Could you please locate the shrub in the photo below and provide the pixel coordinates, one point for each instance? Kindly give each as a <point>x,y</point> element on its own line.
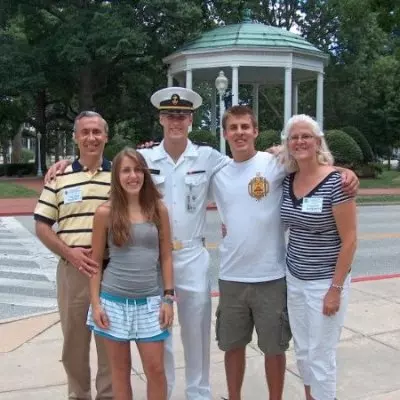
<point>267,139</point>
<point>27,155</point>
<point>17,169</point>
<point>202,136</point>
<point>114,146</point>
<point>362,141</point>
<point>370,170</point>
<point>344,148</point>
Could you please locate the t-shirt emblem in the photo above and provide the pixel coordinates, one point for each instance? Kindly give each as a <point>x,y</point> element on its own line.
<point>258,187</point>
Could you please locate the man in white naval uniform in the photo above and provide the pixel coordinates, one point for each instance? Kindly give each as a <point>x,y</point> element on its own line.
<point>182,171</point>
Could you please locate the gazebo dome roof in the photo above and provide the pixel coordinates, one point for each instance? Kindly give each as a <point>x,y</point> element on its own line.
<point>249,35</point>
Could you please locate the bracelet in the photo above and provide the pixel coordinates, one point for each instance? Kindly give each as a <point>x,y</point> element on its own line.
<point>168,300</point>
<point>169,292</point>
<point>338,287</point>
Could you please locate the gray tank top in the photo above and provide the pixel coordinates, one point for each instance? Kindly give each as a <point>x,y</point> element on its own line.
<point>133,269</point>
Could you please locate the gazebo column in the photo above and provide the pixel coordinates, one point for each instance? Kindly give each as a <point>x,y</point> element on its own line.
<point>320,99</point>
<point>189,79</point>
<point>256,88</point>
<point>170,78</point>
<point>235,85</point>
<point>214,111</point>
<point>288,94</point>
<point>295,98</point>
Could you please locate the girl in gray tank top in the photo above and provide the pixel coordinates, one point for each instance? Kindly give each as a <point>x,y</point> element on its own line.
<point>125,297</point>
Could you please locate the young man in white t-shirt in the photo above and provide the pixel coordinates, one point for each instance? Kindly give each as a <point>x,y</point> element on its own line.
<point>252,273</point>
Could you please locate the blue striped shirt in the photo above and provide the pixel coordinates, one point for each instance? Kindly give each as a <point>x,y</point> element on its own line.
<point>314,241</point>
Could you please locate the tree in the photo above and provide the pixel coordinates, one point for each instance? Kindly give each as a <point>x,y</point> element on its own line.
<point>383,103</point>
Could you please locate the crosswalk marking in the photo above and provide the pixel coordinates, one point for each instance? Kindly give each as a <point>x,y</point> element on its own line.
<point>32,284</point>
<point>31,301</point>
<point>27,271</point>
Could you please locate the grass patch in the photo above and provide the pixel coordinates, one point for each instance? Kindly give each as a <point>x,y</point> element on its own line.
<point>385,198</point>
<point>388,179</point>
<point>10,190</point>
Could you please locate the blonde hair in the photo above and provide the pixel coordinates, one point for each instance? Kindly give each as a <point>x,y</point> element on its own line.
<point>324,156</point>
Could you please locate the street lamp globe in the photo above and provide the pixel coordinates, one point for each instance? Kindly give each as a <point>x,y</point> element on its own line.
<point>221,84</point>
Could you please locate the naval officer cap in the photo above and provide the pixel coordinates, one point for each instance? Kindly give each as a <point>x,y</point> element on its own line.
<point>176,100</point>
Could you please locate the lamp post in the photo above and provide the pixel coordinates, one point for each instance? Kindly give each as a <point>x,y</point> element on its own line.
<point>39,160</point>
<point>221,84</point>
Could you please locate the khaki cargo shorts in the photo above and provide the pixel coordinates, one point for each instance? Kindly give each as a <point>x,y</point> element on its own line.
<point>243,306</point>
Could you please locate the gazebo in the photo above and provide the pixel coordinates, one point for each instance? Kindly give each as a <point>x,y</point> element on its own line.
<point>253,54</point>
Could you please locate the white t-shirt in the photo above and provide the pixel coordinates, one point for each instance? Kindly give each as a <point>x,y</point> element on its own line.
<point>248,196</point>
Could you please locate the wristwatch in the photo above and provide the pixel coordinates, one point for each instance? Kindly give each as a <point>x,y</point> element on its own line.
<point>338,287</point>
<point>168,300</point>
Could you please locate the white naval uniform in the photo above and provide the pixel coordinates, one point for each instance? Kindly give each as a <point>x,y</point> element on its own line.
<point>189,176</point>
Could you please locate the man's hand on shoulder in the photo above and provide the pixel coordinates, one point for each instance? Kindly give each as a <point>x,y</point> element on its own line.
<point>275,150</point>
<point>56,169</point>
<point>350,181</point>
<point>147,145</point>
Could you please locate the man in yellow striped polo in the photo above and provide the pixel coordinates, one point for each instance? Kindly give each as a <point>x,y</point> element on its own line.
<point>70,200</point>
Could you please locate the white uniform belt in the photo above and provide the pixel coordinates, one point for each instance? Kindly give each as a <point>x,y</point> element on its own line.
<point>186,244</point>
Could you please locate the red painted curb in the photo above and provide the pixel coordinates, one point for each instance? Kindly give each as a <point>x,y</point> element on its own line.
<point>23,213</point>
<point>374,278</point>
<point>16,213</point>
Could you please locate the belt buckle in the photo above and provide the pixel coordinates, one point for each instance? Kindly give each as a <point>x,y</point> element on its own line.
<point>177,245</point>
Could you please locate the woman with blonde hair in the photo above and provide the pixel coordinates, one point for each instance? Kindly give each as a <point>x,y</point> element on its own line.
<point>321,219</point>
<point>125,299</point>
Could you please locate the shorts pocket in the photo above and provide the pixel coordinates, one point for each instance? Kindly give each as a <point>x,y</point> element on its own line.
<point>217,324</point>
<point>286,333</point>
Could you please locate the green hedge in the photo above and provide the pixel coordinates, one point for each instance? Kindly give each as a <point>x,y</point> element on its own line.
<point>344,148</point>
<point>19,169</point>
<point>114,146</point>
<point>370,170</point>
<point>202,136</point>
<point>362,141</point>
<point>267,139</point>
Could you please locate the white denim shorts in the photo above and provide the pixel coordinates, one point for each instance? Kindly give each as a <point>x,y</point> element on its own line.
<point>130,319</point>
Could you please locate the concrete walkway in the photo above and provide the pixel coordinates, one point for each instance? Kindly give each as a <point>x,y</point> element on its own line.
<point>368,355</point>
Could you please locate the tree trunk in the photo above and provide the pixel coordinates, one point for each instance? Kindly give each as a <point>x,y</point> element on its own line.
<point>40,118</point>
<point>86,89</point>
<point>58,145</point>
<point>17,146</point>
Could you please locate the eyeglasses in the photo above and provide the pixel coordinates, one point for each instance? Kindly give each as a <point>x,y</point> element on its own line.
<point>296,138</point>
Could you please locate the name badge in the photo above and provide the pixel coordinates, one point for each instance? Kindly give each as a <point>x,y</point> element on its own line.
<point>312,204</point>
<point>191,200</point>
<point>72,195</point>
<point>153,303</point>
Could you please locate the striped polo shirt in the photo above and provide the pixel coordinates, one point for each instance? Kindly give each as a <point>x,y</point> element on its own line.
<point>314,241</point>
<point>71,199</point>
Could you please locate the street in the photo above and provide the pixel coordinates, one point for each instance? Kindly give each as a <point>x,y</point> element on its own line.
<point>27,268</point>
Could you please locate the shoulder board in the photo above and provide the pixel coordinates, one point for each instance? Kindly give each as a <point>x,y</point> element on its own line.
<point>202,144</point>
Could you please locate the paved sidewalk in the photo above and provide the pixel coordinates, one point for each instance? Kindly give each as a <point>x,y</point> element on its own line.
<point>368,355</point>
